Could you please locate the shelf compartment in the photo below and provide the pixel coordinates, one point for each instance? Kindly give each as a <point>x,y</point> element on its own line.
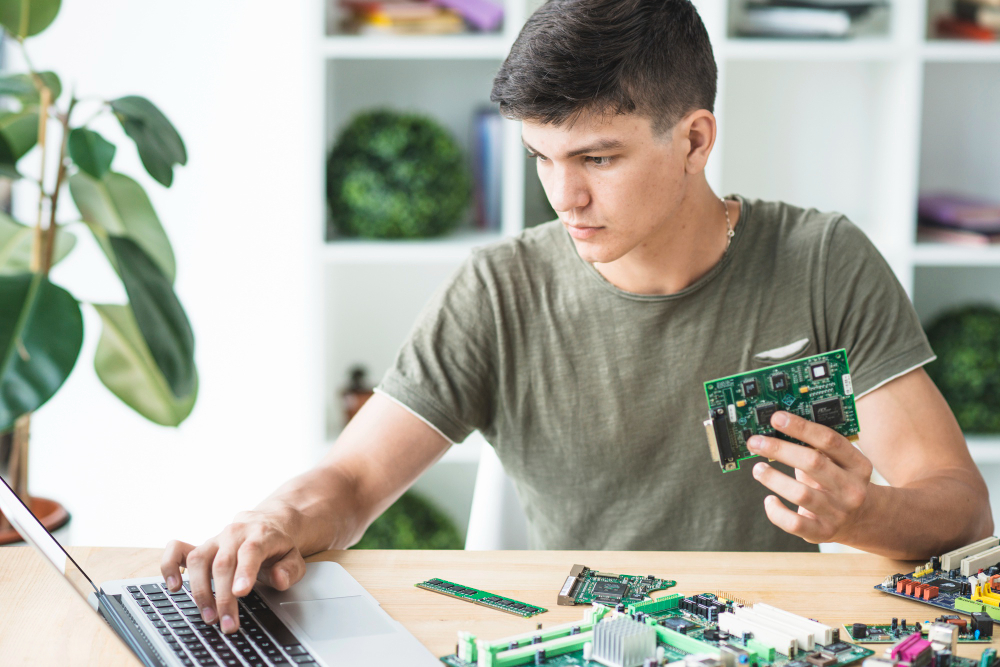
<point>942,254</point>
<point>449,249</point>
<point>406,47</point>
<point>798,50</point>
<point>945,50</point>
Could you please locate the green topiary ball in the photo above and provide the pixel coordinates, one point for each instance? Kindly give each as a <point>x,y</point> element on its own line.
<point>395,175</point>
<point>967,371</point>
<point>411,523</point>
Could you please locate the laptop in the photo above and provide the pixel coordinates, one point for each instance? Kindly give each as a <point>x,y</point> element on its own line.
<point>326,619</point>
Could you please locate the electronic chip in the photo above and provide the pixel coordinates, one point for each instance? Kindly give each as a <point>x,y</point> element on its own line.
<point>678,624</point>
<point>829,411</point>
<point>750,388</point>
<point>764,413</point>
<point>944,585</point>
<point>779,382</point>
<point>820,371</point>
<point>837,647</point>
<point>612,590</point>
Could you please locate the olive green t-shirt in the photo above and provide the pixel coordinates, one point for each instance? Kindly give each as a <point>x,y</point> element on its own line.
<point>593,397</point>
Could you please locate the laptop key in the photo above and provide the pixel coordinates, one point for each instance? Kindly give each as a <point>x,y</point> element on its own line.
<point>171,616</point>
<point>132,589</point>
<point>164,631</point>
<point>295,649</point>
<point>191,611</point>
<point>207,661</point>
<point>150,589</point>
<point>157,596</point>
<point>303,659</point>
<point>161,604</point>
<point>185,605</point>
<point>179,624</point>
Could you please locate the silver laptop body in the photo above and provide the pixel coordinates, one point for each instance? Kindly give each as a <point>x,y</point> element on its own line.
<point>327,619</point>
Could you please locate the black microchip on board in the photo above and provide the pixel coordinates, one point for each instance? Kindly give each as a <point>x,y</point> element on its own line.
<point>837,647</point>
<point>829,411</point>
<point>779,382</point>
<point>611,590</point>
<point>750,388</point>
<point>764,413</point>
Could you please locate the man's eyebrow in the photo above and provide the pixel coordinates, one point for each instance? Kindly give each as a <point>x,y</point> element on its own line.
<point>597,147</point>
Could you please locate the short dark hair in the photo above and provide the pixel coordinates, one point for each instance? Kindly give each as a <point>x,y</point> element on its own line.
<point>651,57</point>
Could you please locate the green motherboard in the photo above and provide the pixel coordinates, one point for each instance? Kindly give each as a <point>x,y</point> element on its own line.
<point>817,388</point>
<point>675,627</point>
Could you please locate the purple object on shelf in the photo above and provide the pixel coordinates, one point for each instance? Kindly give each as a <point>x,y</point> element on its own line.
<point>480,14</point>
<point>960,212</point>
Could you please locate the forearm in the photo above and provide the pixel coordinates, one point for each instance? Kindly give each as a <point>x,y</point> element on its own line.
<point>924,518</point>
<point>318,509</point>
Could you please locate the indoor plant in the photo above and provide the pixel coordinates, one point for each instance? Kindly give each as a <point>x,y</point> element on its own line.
<point>146,351</point>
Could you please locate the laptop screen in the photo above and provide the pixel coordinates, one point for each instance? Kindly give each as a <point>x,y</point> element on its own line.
<point>35,534</point>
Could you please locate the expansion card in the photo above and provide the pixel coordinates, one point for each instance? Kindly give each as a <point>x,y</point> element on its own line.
<point>817,388</point>
<point>586,586</point>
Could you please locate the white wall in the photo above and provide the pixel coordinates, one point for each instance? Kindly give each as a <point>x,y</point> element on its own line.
<point>232,77</point>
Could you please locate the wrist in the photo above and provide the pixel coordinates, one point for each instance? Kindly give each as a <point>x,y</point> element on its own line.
<point>856,531</point>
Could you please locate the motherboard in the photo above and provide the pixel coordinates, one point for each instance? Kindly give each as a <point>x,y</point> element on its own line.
<point>897,629</point>
<point>965,580</point>
<point>586,586</point>
<point>817,388</point>
<point>704,630</point>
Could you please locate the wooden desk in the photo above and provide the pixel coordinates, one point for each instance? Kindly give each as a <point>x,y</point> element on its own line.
<point>42,622</point>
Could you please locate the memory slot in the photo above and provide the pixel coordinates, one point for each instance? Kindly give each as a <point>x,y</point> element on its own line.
<point>972,564</point>
<point>950,560</point>
<point>823,634</point>
<point>778,639</point>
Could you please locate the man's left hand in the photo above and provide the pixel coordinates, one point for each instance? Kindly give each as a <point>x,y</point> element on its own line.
<point>831,482</point>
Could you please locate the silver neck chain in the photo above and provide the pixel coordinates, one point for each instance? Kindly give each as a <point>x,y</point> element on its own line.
<point>729,224</point>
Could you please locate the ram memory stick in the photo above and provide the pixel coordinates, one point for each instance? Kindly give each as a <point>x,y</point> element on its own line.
<point>476,596</point>
<point>817,388</point>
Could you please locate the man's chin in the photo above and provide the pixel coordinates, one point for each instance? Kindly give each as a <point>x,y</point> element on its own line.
<point>595,253</point>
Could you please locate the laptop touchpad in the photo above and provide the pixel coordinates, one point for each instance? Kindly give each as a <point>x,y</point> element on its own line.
<point>338,618</point>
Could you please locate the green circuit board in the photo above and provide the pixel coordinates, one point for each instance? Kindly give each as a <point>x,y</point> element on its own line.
<point>883,633</point>
<point>483,598</point>
<point>586,586</point>
<point>679,632</point>
<point>817,388</point>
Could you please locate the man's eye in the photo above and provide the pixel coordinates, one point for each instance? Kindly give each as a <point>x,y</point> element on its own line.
<point>537,156</point>
<point>602,161</point>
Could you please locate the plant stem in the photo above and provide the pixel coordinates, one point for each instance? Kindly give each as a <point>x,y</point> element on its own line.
<point>45,100</point>
<point>19,457</point>
<point>50,235</point>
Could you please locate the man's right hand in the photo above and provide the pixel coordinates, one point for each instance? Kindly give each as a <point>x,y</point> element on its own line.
<point>253,548</point>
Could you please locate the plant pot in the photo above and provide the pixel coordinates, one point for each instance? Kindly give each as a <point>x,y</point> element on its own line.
<point>52,515</point>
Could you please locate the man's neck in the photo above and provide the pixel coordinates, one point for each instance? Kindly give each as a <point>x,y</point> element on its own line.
<point>683,249</point>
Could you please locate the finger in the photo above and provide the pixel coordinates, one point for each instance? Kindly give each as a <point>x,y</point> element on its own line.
<point>173,559</point>
<point>790,489</point>
<point>287,571</point>
<point>256,557</point>
<point>199,565</point>
<point>812,462</point>
<point>223,570</point>
<point>792,522</point>
<point>825,439</point>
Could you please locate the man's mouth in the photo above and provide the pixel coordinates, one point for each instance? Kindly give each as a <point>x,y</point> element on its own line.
<point>582,232</point>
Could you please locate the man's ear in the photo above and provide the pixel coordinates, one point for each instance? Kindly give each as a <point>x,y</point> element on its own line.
<point>697,131</point>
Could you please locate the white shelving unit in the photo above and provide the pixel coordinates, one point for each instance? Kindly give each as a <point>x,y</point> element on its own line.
<point>858,126</point>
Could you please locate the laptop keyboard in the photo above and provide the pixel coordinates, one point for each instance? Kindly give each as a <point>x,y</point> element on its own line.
<point>177,618</point>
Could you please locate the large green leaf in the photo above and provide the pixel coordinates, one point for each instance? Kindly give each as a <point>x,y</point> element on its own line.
<point>160,146</point>
<point>23,87</point>
<point>18,135</point>
<point>41,331</point>
<point>158,314</point>
<point>90,151</point>
<point>126,367</point>
<point>24,18</point>
<point>16,241</point>
<point>120,207</point>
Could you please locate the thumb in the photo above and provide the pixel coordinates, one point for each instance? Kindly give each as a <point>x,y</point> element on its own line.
<point>285,572</point>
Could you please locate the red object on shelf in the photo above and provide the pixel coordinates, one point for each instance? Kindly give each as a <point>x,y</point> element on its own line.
<point>949,26</point>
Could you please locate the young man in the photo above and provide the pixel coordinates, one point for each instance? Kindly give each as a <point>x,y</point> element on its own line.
<point>580,347</point>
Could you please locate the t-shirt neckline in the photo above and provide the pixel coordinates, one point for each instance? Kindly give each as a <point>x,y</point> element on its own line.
<point>745,217</point>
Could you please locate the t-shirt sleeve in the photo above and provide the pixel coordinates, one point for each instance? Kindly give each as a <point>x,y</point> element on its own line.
<point>445,372</point>
<point>868,312</point>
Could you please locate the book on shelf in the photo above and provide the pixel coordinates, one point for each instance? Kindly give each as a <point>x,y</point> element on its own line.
<point>930,234</point>
<point>854,8</point>
<point>420,17</point>
<point>983,15</point>
<point>957,218</point>
<point>759,20</point>
<point>950,27</point>
<point>487,168</point>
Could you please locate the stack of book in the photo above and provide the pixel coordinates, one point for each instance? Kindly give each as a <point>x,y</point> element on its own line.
<point>956,218</point>
<point>487,166</point>
<point>804,19</point>
<point>971,19</point>
<point>420,17</point>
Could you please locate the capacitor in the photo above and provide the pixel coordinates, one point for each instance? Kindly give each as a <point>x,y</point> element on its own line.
<point>902,625</point>
<point>537,639</point>
<point>588,651</point>
<point>620,608</point>
<point>895,625</point>
<point>513,645</point>
<point>916,627</point>
<point>540,656</point>
<point>575,630</point>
